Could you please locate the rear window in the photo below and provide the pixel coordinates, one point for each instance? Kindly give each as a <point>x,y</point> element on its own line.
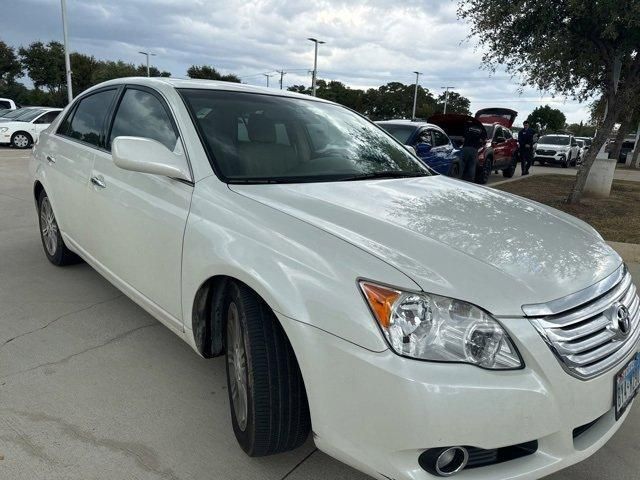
<point>87,122</point>
<point>402,133</point>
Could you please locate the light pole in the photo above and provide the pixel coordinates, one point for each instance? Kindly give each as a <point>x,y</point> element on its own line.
<point>67,61</point>
<point>415,96</point>
<point>148,54</point>
<point>446,97</point>
<point>268,77</point>
<point>315,64</point>
<point>282,74</point>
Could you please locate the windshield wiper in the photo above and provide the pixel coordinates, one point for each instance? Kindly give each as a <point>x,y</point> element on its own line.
<point>384,174</point>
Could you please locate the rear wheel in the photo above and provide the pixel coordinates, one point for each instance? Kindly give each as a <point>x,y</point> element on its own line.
<point>483,175</point>
<point>567,162</point>
<point>455,171</point>
<point>54,247</point>
<point>269,409</point>
<point>21,140</point>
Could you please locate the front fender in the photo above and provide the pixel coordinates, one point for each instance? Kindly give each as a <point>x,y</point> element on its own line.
<point>302,272</point>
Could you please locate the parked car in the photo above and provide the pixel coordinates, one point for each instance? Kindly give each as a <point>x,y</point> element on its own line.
<point>499,150</point>
<point>582,150</point>
<point>423,326</point>
<point>11,115</point>
<point>587,140</point>
<point>627,147</point>
<point>557,149</point>
<point>24,130</point>
<point>8,104</point>
<point>430,143</point>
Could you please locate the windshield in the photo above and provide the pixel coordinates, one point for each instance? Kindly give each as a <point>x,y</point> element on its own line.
<point>554,140</point>
<point>17,114</point>
<point>265,138</point>
<point>402,133</point>
<point>580,143</point>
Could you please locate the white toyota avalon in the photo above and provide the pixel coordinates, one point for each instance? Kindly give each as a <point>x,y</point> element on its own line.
<point>420,326</point>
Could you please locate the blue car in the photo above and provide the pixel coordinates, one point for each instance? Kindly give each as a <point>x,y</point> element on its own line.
<point>432,145</point>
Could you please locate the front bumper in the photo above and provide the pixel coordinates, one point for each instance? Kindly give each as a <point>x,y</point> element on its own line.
<point>378,412</point>
<point>558,158</point>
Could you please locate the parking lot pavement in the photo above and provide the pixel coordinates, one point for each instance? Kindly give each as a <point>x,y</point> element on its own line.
<point>92,387</point>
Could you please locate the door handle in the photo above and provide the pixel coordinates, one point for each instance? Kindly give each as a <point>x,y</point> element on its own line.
<point>98,182</point>
<point>51,160</point>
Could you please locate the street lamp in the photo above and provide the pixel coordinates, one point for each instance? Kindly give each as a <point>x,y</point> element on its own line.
<point>415,96</point>
<point>67,62</point>
<point>268,77</point>
<point>315,63</point>
<point>446,97</point>
<point>148,54</point>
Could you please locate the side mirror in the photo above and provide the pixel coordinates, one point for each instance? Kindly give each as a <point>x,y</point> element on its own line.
<point>411,149</point>
<point>145,155</point>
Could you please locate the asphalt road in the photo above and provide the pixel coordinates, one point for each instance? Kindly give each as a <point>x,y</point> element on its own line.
<point>93,388</point>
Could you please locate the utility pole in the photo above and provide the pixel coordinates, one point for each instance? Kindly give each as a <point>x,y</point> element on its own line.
<point>415,96</point>
<point>282,74</point>
<point>67,61</point>
<point>446,97</point>
<point>268,77</point>
<point>148,54</point>
<point>315,64</point>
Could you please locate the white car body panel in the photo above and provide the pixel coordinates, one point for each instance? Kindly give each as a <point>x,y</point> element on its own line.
<point>33,128</point>
<point>303,247</point>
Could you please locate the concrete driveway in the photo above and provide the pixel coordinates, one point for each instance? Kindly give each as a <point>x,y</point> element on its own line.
<point>93,388</point>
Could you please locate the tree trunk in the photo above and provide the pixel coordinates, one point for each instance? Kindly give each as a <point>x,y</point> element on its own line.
<point>587,163</point>
<point>616,148</point>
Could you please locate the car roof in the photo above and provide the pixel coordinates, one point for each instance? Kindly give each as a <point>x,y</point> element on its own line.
<point>403,121</point>
<point>163,82</point>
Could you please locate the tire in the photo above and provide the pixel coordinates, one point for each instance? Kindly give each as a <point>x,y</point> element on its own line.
<point>567,162</point>
<point>482,175</point>
<point>508,172</point>
<point>262,372</point>
<point>21,140</point>
<point>52,243</point>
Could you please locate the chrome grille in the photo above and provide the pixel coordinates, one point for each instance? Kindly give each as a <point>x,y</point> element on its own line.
<point>589,340</point>
<point>546,152</point>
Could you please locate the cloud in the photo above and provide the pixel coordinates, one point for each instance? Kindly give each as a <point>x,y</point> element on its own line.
<point>368,43</point>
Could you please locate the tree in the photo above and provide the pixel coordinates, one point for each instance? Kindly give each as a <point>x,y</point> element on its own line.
<point>108,70</point>
<point>209,73</point>
<point>456,103</point>
<point>582,130</point>
<point>10,67</point>
<point>46,68</point>
<point>567,47</point>
<point>84,68</point>
<point>549,119</point>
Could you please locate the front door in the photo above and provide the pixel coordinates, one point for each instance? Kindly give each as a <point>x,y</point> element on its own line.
<point>139,218</point>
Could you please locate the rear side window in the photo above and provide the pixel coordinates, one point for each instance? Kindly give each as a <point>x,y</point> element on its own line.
<point>4,104</point>
<point>141,114</point>
<point>87,121</point>
<point>48,117</point>
<point>439,138</point>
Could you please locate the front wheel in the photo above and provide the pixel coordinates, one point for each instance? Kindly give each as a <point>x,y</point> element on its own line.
<point>54,247</point>
<point>455,171</point>
<point>566,163</point>
<point>269,409</point>
<point>21,140</point>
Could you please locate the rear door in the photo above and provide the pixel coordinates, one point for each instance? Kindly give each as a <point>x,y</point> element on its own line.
<point>140,218</point>
<point>69,155</point>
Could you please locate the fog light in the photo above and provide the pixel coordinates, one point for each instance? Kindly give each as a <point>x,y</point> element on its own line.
<point>444,462</point>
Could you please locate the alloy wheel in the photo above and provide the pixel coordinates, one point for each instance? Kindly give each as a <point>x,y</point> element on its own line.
<point>48,227</point>
<point>237,364</point>
<point>21,141</point>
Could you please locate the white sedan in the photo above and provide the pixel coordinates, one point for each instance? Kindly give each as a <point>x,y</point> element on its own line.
<point>24,132</point>
<point>421,326</point>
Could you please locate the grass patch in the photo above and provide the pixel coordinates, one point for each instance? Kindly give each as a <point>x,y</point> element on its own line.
<point>617,218</point>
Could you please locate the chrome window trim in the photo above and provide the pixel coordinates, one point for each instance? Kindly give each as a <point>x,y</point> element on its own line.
<point>576,299</point>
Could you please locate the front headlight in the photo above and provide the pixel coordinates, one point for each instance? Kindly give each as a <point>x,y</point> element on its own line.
<point>440,329</point>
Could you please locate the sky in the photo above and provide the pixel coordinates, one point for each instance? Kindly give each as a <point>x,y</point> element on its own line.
<point>368,43</point>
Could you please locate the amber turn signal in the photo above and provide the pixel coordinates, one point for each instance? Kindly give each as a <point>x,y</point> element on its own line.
<point>381,300</point>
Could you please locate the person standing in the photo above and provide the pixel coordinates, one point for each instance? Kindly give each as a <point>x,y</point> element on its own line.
<point>525,147</point>
<point>469,152</point>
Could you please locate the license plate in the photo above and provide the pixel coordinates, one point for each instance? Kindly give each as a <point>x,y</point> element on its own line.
<point>626,385</point>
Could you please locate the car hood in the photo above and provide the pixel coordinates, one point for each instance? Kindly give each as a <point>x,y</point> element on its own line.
<point>551,146</point>
<point>493,249</point>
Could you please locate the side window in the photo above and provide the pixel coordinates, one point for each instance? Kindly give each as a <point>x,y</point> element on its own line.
<point>141,114</point>
<point>439,138</point>
<point>425,137</point>
<point>499,134</point>
<point>4,104</point>
<point>88,119</point>
<point>507,133</point>
<point>47,118</point>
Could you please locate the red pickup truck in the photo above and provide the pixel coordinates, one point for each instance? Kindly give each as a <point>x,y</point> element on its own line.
<point>500,149</point>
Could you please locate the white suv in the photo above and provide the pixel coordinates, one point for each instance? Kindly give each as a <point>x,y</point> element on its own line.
<point>351,289</point>
<point>557,149</point>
